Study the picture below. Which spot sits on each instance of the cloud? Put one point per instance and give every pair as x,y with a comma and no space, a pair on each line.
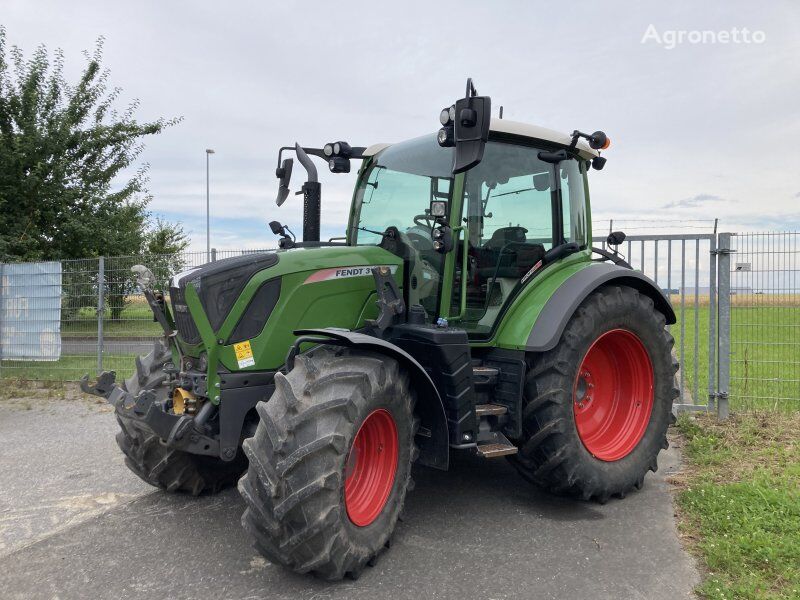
694,201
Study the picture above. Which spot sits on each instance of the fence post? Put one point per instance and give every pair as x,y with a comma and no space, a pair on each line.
712,324
101,308
724,323
213,255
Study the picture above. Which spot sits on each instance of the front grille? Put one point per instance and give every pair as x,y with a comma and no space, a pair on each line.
183,319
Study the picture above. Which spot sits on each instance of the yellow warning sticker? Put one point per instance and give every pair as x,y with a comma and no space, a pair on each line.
244,354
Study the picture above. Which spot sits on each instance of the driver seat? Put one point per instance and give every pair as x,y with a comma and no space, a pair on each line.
507,254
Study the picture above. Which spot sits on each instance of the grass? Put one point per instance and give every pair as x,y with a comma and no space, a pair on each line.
739,504
136,320
67,368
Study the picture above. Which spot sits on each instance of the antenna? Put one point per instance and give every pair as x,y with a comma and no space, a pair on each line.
501,111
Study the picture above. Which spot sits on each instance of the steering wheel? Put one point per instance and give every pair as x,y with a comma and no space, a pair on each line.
428,221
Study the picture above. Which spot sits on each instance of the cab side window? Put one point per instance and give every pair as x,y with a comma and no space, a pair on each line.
513,215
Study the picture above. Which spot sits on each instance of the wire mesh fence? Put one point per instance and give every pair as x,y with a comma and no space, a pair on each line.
765,320
62,319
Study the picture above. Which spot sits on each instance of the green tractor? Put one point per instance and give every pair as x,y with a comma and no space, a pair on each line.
465,311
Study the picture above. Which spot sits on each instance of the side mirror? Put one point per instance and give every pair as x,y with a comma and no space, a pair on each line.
465,125
615,238
276,228
471,132
284,173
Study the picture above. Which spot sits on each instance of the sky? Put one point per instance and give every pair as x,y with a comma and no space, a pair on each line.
702,115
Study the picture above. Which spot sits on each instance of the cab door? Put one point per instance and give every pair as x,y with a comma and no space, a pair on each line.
515,208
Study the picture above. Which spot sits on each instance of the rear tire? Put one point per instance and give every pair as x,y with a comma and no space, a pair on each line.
595,413
330,462
154,463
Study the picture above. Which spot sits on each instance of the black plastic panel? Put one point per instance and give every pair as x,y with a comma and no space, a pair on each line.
445,355
510,381
183,320
252,321
218,285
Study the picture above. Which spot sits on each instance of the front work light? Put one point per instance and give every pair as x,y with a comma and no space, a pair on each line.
327,150
342,149
339,164
446,136
438,208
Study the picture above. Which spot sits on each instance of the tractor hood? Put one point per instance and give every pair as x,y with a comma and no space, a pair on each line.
218,284
232,288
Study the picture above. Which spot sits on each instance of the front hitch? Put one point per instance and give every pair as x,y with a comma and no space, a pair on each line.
145,411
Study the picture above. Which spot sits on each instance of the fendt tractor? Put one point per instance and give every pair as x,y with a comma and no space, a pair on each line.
464,311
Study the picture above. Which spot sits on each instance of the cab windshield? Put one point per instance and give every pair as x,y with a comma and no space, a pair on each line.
396,191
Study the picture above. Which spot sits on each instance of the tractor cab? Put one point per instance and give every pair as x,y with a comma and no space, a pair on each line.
503,216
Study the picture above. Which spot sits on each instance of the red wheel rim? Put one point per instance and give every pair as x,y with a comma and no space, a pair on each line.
613,395
371,467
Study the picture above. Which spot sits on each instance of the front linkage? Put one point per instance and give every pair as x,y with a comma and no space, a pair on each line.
147,410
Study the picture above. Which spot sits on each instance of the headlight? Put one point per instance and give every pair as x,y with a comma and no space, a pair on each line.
445,136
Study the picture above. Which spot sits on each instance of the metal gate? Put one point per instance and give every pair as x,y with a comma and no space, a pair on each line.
760,321
685,268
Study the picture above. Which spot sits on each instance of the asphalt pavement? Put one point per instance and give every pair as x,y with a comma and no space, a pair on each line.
74,523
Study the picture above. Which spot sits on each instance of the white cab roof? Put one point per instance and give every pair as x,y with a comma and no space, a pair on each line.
523,130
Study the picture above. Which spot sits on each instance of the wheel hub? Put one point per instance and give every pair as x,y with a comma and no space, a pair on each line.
613,395
371,467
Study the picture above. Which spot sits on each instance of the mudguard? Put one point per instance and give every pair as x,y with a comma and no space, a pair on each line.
565,300
432,438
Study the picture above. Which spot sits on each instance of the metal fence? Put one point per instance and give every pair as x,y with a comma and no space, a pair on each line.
764,328
736,297
102,320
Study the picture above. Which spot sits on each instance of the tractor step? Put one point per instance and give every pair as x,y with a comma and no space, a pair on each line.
494,450
486,410
484,376
496,444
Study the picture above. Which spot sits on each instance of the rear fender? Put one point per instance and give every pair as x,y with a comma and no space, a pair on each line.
432,438
565,300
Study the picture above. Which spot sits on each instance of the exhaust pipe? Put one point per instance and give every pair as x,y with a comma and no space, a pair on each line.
312,192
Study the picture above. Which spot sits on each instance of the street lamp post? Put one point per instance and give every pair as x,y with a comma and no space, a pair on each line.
209,152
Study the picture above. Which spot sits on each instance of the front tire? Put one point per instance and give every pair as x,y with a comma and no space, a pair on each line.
330,462
598,405
146,456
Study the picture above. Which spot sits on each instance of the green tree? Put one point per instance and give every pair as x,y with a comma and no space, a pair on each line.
65,159
163,244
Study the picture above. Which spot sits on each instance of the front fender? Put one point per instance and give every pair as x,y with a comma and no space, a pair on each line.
432,438
560,307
